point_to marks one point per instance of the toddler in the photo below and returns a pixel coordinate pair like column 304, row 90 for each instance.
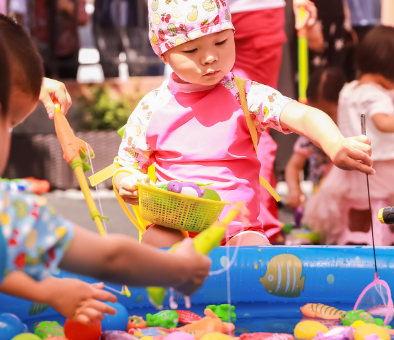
column 193, row 128
column 342, row 201
column 35, row 241
column 322, row 93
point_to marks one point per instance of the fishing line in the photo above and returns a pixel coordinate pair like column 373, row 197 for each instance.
column 97, row 193
column 245, row 223
column 364, row 132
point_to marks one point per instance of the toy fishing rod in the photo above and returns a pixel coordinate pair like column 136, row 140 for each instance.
column 301, row 15
column 73, row 147
column 204, row 243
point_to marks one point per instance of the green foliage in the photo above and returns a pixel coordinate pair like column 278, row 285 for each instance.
column 103, row 109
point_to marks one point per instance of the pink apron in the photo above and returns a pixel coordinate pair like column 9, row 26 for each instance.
column 201, row 135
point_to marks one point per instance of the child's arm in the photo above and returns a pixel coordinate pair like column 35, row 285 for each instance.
column 383, row 122
column 74, row 299
column 292, row 175
column 346, row 153
column 122, row 260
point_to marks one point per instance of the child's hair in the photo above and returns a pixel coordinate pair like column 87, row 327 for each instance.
column 4, row 80
column 375, row 54
column 325, row 83
column 26, row 64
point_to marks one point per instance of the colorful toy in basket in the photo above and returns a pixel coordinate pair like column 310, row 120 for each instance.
column 204, row 243
column 180, row 205
column 190, row 189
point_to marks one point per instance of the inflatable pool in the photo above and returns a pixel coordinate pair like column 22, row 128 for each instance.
column 267, row 285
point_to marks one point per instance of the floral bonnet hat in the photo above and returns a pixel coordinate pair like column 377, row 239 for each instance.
column 174, row 22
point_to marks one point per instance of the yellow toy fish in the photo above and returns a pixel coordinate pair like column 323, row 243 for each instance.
column 283, row 276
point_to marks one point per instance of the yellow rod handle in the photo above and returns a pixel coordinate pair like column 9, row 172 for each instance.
column 232, row 214
column 88, row 196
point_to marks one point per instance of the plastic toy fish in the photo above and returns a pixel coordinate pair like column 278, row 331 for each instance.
column 205, row 326
column 266, row 336
column 165, row 319
column 283, row 276
column 136, row 322
column 365, row 331
column 152, row 331
column 222, row 311
column 46, row 329
column 220, row 326
column 349, row 318
column 187, row 317
column 318, row 310
column 337, row 333
column 117, row 335
column 308, row 329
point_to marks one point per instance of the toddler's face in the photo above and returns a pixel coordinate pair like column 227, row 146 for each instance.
column 20, row 107
column 203, row 61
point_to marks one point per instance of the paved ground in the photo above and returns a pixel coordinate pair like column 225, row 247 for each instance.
column 72, row 205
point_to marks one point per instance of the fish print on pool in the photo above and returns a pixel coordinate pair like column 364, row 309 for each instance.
column 283, row 276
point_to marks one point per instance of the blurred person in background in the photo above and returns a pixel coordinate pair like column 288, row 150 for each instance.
column 258, row 57
column 331, row 35
column 53, row 26
column 363, row 15
column 323, row 91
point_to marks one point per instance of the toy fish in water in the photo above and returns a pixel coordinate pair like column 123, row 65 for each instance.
column 348, row 318
column 318, row 310
column 283, row 276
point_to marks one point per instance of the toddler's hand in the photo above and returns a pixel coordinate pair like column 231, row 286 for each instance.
column 53, row 90
column 354, row 153
column 128, row 189
column 294, row 199
column 196, row 267
column 79, row 301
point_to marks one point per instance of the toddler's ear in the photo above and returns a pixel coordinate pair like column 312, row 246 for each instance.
column 163, row 57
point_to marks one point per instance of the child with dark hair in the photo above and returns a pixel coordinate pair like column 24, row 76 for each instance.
column 342, row 201
column 35, row 241
column 322, row 93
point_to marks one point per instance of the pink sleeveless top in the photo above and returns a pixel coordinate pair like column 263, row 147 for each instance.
column 199, row 134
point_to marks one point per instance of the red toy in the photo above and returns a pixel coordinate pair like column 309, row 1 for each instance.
column 77, row 331
column 187, row 317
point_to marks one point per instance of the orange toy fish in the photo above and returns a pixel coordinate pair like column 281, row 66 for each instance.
column 210, row 324
column 318, row 310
